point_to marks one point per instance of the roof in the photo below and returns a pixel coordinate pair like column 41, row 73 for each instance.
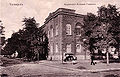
column 62, row 11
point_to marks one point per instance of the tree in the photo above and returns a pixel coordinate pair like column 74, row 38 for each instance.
column 36, row 38
column 90, row 21
column 30, row 42
column 2, row 37
column 104, row 30
column 2, row 33
column 1, row 28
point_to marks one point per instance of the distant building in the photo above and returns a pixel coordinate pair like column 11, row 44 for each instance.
column 64, row 28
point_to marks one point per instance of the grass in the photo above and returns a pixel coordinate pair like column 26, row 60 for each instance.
column 8, row 62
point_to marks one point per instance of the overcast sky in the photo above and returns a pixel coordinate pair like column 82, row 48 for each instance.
column 12, row 15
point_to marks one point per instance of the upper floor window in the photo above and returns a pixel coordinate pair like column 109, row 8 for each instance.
column 56, row 30
column 68, row 29
column 78, row 29
column 52, row 32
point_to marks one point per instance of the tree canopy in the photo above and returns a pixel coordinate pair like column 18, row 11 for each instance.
column 103, row 30
column 29, row 41
column 1, row 28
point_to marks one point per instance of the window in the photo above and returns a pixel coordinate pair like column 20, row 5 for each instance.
column 68, row 29
column 56, row 48
column 56, row 30
column 68, row 48
column 96, row 50
column 51, row 49
column 51, row 32
column 78, row 47
column 78, row 29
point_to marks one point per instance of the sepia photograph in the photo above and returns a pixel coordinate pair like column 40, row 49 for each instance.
column 59, row 38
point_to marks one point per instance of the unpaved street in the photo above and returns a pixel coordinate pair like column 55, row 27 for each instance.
column 48, row 70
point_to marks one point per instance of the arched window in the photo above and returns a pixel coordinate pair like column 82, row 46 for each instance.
column 78, row 29
column 68, row 29
column 78, row 47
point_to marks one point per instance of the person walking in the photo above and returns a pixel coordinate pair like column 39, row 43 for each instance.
column 92, row 59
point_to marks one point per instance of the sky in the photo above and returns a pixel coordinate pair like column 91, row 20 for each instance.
column 12, row 15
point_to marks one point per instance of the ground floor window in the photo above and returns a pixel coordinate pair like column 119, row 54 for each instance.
column 51, row 49
column 78, row 48
column 56, row 48
column 68, row 48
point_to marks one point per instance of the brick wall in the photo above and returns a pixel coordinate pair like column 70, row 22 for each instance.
column 60, row 18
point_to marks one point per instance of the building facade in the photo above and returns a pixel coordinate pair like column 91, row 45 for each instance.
column 64, row 28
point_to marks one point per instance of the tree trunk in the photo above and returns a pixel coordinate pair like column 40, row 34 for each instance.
column 38, row 55
column 107, row 55
column 119, row 49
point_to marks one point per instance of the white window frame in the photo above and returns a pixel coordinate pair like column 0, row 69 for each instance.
column 68, row 29
column 68, row 48
column 56, row 48
column 56, row 30
column 51, row 49
column 51, row 32
column 78, row 48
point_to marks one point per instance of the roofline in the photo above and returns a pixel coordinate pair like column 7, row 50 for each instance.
column 61, row 11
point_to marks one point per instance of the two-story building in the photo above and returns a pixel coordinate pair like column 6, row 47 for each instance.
column 64, row 28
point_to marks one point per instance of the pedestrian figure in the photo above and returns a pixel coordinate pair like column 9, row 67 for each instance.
column 92, row 59
column 50, row 58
